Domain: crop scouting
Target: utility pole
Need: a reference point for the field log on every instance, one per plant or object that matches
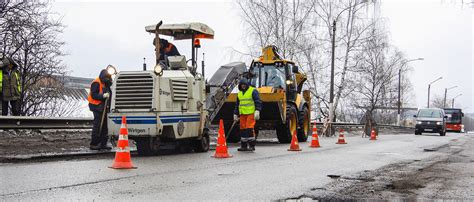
(445, 94)
(399, 87)
(331, 95)
(429, 88)
(332, 118)
(331, 90)
(452, 104)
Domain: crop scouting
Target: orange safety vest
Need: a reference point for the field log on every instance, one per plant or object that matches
(92, 100)
(168, 49)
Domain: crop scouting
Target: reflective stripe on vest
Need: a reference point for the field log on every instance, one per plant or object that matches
(246, 103)
(168, 49)
(18, 84)
(92, 100)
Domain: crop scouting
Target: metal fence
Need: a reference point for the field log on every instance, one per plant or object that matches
(26, 122)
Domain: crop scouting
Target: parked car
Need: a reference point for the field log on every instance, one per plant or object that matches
(430, 120)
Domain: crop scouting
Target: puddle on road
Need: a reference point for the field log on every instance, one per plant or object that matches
(430, 150)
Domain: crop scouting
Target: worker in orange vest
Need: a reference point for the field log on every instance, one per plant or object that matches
(166, 49)
(99, 103)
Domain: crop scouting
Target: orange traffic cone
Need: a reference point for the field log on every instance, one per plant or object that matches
(372, 135)
(294, 143)
(221, 146)
(315, 138)
(123, 159)
(341, 138)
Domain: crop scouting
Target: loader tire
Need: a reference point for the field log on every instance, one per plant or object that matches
(304, 121)
(286, 130)
(147, 146)
(202, 144)
(232, 134)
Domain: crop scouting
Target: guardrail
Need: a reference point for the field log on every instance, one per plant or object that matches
(359, 125)
(28, 122)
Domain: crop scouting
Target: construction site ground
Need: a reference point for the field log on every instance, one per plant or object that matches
(399, 165)
(18, 145)
(448, 175)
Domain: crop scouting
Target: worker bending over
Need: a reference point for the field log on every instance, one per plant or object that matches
(248, 106)
(99, 103)
(166, 49)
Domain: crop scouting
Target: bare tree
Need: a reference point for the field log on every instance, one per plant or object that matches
(376, 75)
(29, 33)
(354, 30)
(438, 102)
(303, 30)
(274, 22)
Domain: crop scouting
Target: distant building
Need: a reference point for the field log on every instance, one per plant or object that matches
(77, 87)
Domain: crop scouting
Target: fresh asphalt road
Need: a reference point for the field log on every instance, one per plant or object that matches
(271, 172)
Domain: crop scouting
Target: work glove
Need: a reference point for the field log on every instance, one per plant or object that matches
(106, 95)
(256, 115)
(236, 117)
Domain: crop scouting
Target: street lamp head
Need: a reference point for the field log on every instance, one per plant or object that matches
(452, 87)
(436, 80)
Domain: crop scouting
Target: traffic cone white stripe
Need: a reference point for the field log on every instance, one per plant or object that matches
(123, 137)
(124, 149)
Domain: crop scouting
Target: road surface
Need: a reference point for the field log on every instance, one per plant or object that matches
(271, 172)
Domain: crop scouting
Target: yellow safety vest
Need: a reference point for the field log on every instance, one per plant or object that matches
(246, 103)
(17, 80)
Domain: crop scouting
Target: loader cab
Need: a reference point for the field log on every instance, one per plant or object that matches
(268, 75)
(279, 75)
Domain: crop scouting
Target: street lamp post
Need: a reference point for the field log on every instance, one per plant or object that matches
(445, 94)
(331, 87)
(399, 86)
(429, 88)
(452, 105)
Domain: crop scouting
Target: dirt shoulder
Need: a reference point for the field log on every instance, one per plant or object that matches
(449, 175)
(37, 142)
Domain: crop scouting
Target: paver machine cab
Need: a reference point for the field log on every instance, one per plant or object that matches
(286, 107)
(166, 104)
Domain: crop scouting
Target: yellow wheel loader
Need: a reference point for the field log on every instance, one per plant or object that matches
(286, 107)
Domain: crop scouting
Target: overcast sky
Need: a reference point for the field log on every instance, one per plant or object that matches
(108, 32)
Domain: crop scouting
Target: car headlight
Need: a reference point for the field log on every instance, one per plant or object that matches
(158, 69)
(418, 122)
(439, 123)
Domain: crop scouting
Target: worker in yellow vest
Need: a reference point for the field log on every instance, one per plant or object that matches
(10, 86)
(248, 107)
(99, 103)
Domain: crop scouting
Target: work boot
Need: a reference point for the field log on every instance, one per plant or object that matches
(105, 147)
(243, 146)
(95, 147)
(252, 145)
